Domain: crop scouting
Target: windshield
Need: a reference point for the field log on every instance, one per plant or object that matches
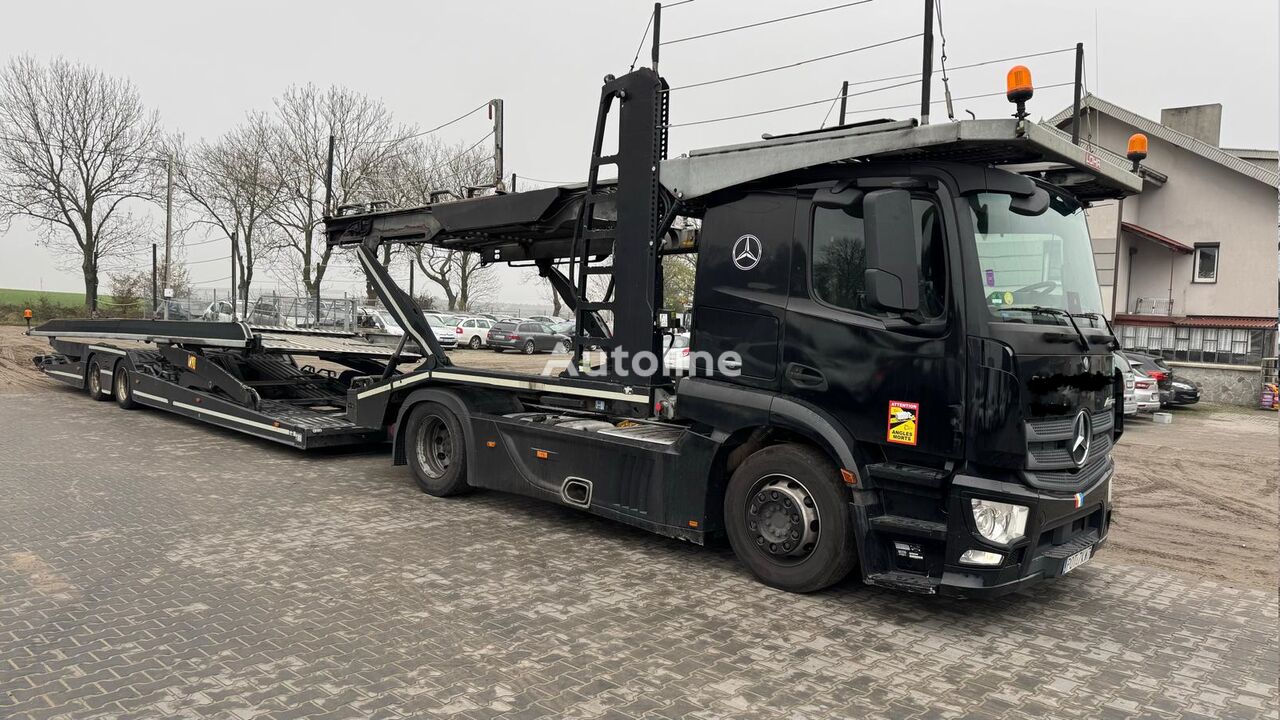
(1034, 261)
(434, 321)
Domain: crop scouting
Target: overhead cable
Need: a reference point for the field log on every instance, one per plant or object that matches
(796, 64)
(764, 22)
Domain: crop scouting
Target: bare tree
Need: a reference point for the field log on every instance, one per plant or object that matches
(234, 188)
(76, 145)
(367, 140)
(432, 167)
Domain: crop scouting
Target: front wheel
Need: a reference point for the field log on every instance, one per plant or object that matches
(436, 450)
(122, 391)
(787, 519)
(93, 381)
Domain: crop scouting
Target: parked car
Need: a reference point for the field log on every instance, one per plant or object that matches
(1182, 392)
(565, 327)
(176, 311)
(1126, 370)
(675, 360)
(444, 333)
(526, 336)
(473, 332)
(1146, 393)
(1152, 365)
(487, 316)
(545, 319)
(378, 321)
(218, 311)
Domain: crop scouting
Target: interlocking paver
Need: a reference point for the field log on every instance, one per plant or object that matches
(151, 566)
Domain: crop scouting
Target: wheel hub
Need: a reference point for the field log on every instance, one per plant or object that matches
(783, 518)
(435, 446)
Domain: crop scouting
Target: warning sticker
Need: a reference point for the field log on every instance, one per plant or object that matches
(191, 362)
(904, 419)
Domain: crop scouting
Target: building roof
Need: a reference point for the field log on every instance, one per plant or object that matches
(1156, 237)
(1233, 322)
(1253, 153)
(1169, 135)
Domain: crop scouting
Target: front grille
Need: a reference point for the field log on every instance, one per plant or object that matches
(1049, 440)
(1072, 480)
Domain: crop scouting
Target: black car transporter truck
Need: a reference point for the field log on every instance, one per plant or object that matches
(910, 376)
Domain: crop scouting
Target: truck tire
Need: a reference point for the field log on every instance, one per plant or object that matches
(93, 381)
(121, 389)
(436, 450)
(787, 518)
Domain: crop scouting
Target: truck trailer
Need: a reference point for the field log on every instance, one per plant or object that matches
(909, 374)
(913, 375)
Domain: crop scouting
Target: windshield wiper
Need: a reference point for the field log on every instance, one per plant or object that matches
(1115, 341)
(1056, 312)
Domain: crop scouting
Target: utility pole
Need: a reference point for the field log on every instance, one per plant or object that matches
(1075, 104)
(926, 72)
(155, 301)
(168, 225)
(234, 249)
(495, 110)
(844, 99)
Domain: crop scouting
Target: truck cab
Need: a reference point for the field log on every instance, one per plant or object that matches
(899, 364)
(975, 415)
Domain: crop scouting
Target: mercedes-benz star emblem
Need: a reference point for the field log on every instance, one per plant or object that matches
(746, 252)
(1081, 438)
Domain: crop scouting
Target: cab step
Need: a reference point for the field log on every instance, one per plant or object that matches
(904, 582)
(899, 525)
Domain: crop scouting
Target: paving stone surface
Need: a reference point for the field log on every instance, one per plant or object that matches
(154, 567)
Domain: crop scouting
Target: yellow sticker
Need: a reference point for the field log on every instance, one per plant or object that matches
(191, 362)
(1008, 298)
(904, 419)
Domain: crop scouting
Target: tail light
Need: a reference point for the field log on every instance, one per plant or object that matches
(684, 351)
(513, 336)
(458, 330)
(1158, 375)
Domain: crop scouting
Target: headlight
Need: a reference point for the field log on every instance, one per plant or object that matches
(1182, 386)
(999, 522)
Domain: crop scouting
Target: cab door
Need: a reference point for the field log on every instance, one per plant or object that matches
(893, 380)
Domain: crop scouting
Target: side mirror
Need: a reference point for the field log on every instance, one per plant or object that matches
(893, 265)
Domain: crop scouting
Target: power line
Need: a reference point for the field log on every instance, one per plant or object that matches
(965, 67)
(640, 47)
(764, 22)
(966, 97)
(792, 107)
(201, 262)
(796, 64)
(442, 126)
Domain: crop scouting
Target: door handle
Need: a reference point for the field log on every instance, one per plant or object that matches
(805, 376)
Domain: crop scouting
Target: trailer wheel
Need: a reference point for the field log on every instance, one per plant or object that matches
(788, 520)
(122, 391)
(93, 381)
(437, 450)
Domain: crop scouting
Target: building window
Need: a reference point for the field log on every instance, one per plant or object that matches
(1206, 264)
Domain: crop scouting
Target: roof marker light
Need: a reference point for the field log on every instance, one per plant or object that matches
(1137, 151)
(1019, 88)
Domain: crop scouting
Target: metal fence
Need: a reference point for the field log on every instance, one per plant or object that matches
(1228, 346)
(277, 310)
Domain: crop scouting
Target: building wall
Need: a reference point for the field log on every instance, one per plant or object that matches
(1202, 202)
(1104, 221)
(1225, 384)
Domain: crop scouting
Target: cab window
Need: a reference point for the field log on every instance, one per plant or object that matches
(840, 263)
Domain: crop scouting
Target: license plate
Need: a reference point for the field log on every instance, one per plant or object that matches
(1077, 560)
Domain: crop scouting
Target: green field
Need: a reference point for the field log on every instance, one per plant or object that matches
(10, 296)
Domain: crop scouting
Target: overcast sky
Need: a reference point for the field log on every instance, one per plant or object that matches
(431, 61)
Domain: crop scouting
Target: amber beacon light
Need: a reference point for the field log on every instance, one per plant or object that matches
(1018, 88)
(1137, 151)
